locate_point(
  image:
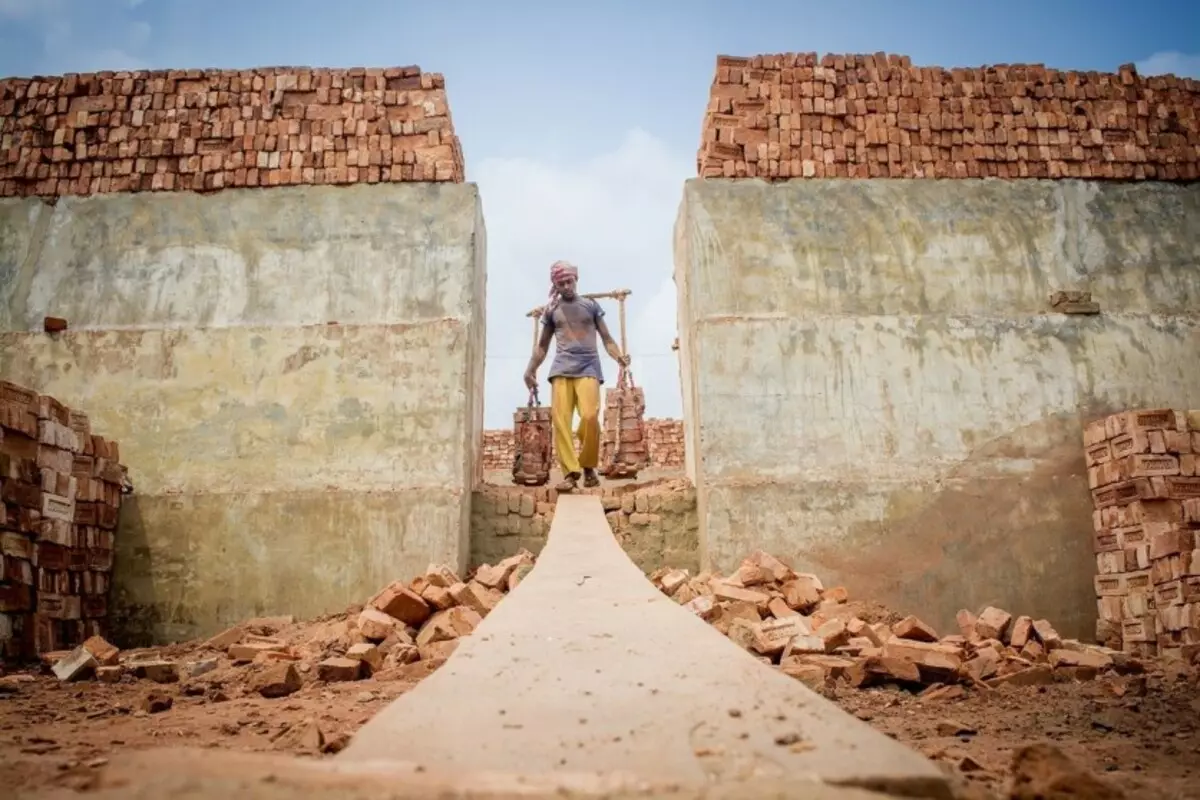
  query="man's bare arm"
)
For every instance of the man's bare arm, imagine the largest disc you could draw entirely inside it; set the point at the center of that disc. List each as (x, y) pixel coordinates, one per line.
(539, 355)
(610, 346)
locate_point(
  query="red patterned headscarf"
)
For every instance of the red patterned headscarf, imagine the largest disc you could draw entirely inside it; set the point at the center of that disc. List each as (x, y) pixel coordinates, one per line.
(559, 269)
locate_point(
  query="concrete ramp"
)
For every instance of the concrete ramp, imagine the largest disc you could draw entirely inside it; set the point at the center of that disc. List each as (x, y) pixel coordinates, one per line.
(587, 670)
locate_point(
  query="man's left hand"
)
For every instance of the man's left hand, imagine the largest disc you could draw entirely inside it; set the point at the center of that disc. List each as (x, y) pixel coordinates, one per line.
(624, 360)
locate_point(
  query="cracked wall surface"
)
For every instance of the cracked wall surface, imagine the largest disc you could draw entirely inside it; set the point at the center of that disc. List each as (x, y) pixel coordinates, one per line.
(876, 385)
(295, 376)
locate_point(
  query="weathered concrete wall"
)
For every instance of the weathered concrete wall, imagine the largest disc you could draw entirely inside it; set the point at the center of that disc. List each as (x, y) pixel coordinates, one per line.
(876, 386)
(295, 377)
(654, 522)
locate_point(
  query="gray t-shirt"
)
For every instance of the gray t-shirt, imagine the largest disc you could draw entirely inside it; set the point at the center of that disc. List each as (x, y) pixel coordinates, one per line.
(575, 352)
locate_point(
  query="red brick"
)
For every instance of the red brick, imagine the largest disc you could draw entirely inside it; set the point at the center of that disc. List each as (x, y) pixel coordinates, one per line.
(913, 628)
(335, 669)
(398, 601)
(993, 623)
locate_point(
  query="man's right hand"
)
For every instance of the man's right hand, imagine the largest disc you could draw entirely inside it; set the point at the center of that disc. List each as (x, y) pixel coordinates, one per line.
(530, 380)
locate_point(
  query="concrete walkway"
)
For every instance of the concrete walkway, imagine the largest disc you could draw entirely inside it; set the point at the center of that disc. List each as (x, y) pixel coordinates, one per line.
(586, 670)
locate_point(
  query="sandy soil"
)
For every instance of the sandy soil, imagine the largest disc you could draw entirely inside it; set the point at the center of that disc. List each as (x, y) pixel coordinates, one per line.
(1145, 741)
(1146, 744)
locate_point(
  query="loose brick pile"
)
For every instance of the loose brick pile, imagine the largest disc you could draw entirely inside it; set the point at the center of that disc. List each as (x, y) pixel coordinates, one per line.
(403, 633)
(795, 115)
(1142, 468)
(61, 488)
(664, 438)
(208, 130)
(818, 636)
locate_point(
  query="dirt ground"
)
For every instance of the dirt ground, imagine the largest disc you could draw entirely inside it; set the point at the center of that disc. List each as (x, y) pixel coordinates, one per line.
(1146, 742)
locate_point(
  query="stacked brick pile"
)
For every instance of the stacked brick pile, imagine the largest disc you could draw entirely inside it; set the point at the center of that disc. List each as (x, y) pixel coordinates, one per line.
(1142, 469)
(665, 439)
(208, 130)
(877, 116)
(816, 635)
(655, 522)
(61, 490)
(497, 451)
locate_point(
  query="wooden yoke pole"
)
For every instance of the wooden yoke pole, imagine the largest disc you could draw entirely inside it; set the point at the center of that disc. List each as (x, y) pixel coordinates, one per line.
(617, 294)
(537, 317)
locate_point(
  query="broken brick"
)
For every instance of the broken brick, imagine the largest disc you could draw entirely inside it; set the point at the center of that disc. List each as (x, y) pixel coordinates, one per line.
(833, 633)
(1079, 658)
(76, 665)
(913, 628)
(934, 660)
(333, 670)
(109, 674)
(375, 624)
(779, 608)
(449, 624)
(441, 576)
(249, 650)
(1047, 635)
(438, 597)
(368, 654)
(1022, 627)
(672, 580)
(726, 591)
(438, 651)
(402, 603)
(476, 596)
(769, 638)
(158, 671)
(993, 623)
(966, 624)
(984, 665)
(226, 638)
(802, 592)
(276, 680)
(702, 606)
(777, 570)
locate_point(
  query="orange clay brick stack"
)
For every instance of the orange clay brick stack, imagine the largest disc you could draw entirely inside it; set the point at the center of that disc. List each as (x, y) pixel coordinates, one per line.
(61, 489)
(665, 438)
(208, 130)
(497, 451)
(877, 116)
(1142, 468)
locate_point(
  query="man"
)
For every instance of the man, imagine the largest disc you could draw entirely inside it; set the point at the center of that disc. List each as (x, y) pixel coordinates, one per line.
(575, 374)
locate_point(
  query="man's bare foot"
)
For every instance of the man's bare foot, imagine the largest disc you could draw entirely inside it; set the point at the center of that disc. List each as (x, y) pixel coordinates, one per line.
(590, 479)
(569, 483)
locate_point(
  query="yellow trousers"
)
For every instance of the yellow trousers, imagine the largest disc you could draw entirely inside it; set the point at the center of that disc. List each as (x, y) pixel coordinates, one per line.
(567, 395)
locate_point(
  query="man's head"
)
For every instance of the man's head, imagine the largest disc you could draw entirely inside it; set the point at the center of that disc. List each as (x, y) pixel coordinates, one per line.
(563, 277)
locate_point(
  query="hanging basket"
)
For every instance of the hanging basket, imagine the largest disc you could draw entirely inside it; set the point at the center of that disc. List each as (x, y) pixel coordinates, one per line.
(532, 437)
(624, 449)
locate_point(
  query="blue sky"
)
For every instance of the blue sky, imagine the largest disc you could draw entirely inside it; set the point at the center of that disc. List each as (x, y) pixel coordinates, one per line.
(581, 124)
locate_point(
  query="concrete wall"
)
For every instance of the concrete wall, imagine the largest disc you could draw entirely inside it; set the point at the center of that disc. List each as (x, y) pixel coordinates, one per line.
(875, 385)
(654, 522)
(294, 377)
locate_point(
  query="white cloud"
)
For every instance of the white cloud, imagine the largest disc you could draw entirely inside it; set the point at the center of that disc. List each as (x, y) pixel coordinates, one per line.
(613, 216)
(1171, 62)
